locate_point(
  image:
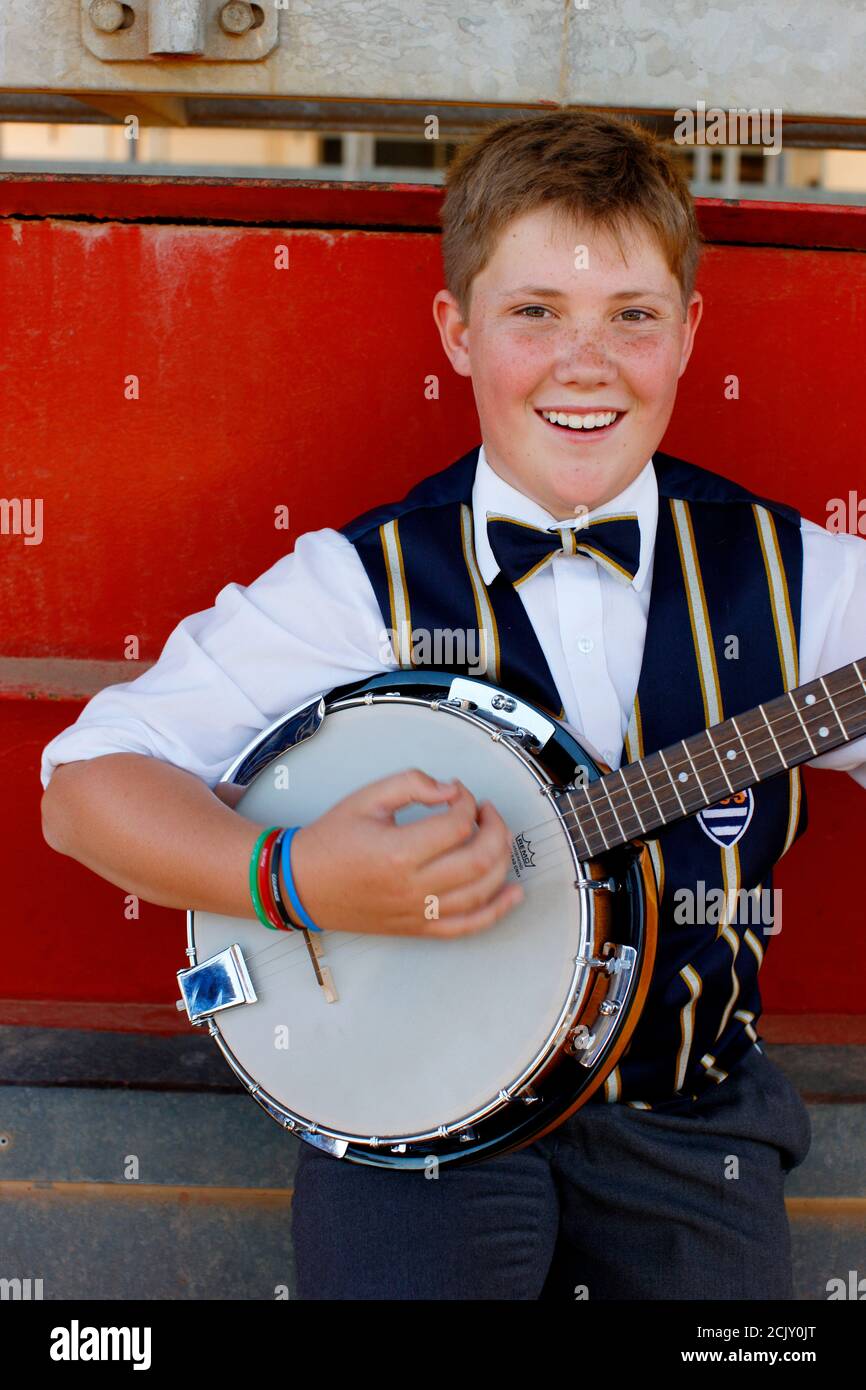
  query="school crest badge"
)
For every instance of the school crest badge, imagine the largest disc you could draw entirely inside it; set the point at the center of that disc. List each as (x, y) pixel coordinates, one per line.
(727, 821)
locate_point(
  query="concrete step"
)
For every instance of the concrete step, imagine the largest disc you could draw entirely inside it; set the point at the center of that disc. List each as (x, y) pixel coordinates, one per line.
(134, 1166)
(103, 1241)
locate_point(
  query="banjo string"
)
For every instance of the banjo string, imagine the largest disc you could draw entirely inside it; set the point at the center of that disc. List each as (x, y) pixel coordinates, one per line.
(334, 948)
(606, 818)
(273, 955)
(283, 955)
(275, 952)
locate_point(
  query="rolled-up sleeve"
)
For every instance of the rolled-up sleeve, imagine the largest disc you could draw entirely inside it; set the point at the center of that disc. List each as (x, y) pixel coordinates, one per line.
(833, 624)
(305, 625)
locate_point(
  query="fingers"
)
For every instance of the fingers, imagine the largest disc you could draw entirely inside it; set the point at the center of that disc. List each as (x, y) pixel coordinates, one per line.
(422, 841)
(465, 924)
(389, 794)
(483, 858)
(480, 891)
(460, 857)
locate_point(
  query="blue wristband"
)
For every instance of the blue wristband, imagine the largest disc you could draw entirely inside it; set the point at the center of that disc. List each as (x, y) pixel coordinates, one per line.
(286, 860)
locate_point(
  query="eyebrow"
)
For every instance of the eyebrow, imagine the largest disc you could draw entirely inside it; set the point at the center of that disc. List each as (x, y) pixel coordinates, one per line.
(551, 292)
(640, 294)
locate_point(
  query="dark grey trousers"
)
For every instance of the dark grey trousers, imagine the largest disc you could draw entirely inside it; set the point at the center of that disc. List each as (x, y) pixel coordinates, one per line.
(615, 1203)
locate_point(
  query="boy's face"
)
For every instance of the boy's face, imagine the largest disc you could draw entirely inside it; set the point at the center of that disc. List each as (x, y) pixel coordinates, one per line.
(545, 334)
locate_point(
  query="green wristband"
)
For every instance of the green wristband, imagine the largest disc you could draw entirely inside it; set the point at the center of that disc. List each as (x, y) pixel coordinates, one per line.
(254, 888)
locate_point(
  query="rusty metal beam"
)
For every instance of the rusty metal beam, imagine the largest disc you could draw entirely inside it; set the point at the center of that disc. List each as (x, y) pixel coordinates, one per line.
(150, 109)
(786, 54)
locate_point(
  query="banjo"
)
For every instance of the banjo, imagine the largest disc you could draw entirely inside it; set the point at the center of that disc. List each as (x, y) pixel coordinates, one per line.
(402, 1051)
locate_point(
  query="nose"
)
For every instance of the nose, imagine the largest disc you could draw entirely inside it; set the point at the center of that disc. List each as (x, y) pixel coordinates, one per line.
(585, 359)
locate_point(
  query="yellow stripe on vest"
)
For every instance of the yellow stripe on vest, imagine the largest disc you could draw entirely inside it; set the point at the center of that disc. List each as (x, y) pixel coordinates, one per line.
(398, 595)
(687, 1023)
(488, 633)
(708, 1062)
(613, 1086)
(786, 639)
(634, 749)
(754, 946)
(698, 612)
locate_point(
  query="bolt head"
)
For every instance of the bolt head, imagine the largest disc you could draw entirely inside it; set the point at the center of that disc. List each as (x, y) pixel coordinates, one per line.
(106, 15)
(236, 17)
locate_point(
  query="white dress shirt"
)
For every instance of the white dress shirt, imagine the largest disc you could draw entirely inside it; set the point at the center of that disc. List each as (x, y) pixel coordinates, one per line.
(312, 622)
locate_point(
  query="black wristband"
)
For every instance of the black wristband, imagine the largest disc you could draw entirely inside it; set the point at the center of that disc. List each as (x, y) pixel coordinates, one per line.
(274, 877)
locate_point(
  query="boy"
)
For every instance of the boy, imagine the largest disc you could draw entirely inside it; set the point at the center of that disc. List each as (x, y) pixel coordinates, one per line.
(570, 250)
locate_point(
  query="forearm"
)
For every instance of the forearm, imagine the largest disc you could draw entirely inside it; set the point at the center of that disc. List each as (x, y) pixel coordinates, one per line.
(153, 830)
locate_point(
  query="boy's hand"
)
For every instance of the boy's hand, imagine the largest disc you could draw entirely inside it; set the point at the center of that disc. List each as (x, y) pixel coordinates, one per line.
(356, 870)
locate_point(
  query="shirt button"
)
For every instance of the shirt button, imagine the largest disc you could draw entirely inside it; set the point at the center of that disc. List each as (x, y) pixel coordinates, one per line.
(585, 644)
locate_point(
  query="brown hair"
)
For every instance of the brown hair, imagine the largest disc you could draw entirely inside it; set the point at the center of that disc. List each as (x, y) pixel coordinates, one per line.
(606, 169)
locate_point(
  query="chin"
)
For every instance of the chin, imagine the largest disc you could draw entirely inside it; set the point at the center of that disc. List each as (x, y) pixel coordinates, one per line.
(591, 489)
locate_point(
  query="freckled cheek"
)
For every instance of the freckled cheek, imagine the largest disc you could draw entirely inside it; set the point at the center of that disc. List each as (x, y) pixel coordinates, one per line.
(513, 369)
(650, 369)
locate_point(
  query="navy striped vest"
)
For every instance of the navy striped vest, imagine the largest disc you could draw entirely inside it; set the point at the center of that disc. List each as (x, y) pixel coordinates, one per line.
(722, 636)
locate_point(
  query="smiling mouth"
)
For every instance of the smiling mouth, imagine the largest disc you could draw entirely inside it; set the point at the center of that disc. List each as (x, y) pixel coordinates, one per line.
(583, 424)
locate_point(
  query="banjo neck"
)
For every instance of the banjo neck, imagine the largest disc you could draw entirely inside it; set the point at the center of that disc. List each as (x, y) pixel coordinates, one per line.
(667, 786)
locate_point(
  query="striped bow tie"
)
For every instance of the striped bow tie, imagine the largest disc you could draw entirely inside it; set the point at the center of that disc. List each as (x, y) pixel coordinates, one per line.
(521, 550)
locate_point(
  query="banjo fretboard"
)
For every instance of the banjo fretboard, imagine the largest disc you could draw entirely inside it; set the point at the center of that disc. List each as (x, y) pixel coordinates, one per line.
(642, 796)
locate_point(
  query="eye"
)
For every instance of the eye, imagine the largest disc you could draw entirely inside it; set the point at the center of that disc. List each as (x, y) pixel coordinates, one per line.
(646, 313)
(527, 308)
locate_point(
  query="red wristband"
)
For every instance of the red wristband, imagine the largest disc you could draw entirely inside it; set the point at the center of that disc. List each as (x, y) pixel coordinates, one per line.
(263, 881)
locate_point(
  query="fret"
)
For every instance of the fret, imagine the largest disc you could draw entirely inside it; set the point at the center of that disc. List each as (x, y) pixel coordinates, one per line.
(648, 781)
(745, 749)
(693, 788)
(612, 807)
(785, 732)
(833, 707)
(707, 760)
(695, 770)
(772, 736)
(791, 729)
(719, 759)
(800, 717)
(673, 783)
(631, 799)
(579, 824)
(589, 803)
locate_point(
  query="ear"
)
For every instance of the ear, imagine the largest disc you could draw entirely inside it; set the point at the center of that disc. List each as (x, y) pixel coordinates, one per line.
(453, 331)
(694, 313)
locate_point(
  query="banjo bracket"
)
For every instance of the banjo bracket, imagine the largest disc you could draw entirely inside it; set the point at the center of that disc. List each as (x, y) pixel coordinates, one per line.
(598, 885)
(511, 717)
(587, 1044)
(220, 982)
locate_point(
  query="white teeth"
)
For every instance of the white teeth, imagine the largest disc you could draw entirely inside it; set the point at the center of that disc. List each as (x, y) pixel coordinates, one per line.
(581, 422)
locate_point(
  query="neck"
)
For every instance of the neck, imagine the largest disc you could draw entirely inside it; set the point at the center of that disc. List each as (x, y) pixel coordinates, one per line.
(559, 511)
(643, 796)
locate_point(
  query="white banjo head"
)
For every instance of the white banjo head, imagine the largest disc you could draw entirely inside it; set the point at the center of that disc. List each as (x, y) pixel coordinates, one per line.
(424, 1032)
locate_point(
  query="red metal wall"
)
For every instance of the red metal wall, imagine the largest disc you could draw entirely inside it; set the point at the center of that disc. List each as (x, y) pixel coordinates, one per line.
(306, 387)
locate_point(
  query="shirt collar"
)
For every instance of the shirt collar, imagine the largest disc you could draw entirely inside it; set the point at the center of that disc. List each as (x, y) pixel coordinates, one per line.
(490, 493)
